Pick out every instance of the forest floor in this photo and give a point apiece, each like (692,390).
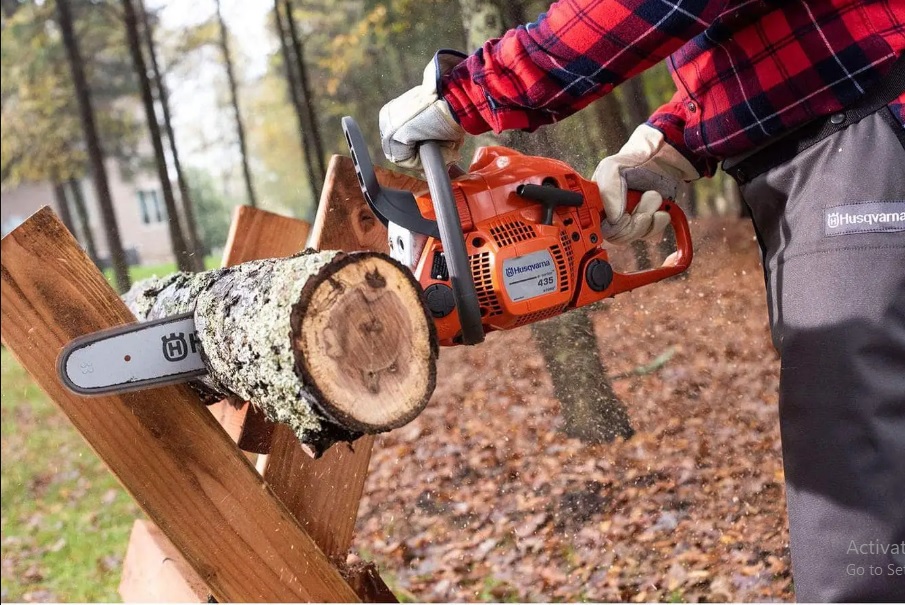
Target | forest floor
(482,497)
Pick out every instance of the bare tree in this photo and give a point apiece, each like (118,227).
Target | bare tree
(86,235)
(307,95)
(59,196)
(177,239)
(93,144)
(163,96)
(293,85)
(234,97)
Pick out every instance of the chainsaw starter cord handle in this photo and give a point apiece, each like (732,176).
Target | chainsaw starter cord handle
(450,227)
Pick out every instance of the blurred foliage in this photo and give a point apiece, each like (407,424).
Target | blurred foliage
(359,54)
(41,135)
(212,209)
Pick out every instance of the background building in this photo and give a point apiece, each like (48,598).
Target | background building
(137,201)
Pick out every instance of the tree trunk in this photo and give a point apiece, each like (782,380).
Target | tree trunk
(332,344)
(314,178)
(307,95)
(636,101)
(177,239)
(614,132)
(590,408)
(59,196)
(193,240)
(84,223)
(93,144)
(234,97)
(482,20)
(734,204)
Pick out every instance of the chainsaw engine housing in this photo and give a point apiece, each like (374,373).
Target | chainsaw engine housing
(524,270)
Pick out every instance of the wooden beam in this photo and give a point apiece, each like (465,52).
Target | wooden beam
(256,234)
(163,445)
(155,572)
(324,494)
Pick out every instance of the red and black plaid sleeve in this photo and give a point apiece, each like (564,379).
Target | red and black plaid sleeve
(573,54)
(745,70)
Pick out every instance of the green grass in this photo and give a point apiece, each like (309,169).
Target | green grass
(65,520)
(138,273)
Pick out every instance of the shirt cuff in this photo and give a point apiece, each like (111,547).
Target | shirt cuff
(671,120)
(475,110)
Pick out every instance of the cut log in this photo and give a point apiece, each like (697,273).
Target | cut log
(333,345)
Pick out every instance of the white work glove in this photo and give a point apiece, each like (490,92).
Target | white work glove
(646,163)
(421,115)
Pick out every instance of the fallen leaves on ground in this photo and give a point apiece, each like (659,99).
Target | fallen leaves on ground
(483,498)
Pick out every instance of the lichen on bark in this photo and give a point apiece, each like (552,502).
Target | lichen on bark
(242,317)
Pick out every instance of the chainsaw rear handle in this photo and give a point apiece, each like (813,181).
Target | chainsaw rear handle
(450,226)
(673,265)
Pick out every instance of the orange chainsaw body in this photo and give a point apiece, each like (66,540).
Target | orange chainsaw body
(524,270)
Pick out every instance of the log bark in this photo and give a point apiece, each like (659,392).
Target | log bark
(333,345)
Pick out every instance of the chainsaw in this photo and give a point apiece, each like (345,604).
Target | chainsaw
(513,241)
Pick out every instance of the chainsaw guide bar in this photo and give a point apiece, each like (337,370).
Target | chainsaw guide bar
(133,357)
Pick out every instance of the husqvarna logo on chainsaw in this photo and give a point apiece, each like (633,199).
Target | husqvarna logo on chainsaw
(866,217)
(529,275)
(513,270)
(175,347)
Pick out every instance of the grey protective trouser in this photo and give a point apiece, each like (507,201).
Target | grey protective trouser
(833,239)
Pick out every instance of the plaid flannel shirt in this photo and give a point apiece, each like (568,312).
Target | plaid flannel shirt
(746,70)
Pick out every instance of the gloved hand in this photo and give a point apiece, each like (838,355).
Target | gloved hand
(646,163)
(421,115)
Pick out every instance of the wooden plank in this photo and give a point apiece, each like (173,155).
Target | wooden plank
(324,494)
(155,572)
(255,234)
(163,445)
(344,221)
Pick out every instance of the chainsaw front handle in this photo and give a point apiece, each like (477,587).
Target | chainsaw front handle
(453,240)
(674,264)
